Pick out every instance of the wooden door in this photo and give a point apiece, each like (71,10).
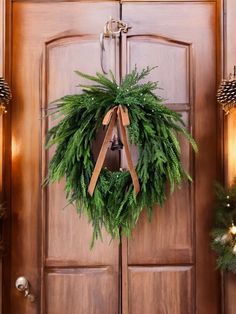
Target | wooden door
(167,267)
(50,245)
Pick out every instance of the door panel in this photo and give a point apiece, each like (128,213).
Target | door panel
(66,234)
(159,290)
(173,60)
(170,36)
(51,40)
(81,291)
(168,238)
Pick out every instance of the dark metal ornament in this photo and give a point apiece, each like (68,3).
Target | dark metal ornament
(116,143)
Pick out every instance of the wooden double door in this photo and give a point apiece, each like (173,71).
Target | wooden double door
(167,266)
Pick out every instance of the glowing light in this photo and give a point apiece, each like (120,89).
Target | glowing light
(232,229)
(231,146)
(15,147)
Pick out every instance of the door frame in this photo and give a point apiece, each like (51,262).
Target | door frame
(2,57)
(229,280)
(5,155)
(5,132)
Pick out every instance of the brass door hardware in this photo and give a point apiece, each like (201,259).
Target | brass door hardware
(22,284)
(112,29)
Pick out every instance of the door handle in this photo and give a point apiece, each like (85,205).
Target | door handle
(22,284)
(113,28)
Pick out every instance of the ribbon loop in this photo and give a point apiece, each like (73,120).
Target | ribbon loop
(120,114)
(108,115)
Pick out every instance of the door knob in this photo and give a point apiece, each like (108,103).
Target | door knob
(23,285)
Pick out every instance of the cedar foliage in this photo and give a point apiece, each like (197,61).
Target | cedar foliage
(153,129)
(225,214)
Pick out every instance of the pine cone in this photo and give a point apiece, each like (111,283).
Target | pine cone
(226,94)
(5,92)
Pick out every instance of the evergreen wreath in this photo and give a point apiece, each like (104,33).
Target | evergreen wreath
(153,128)
(224,230)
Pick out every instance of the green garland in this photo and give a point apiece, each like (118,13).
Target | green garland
(153,129)
(224,231)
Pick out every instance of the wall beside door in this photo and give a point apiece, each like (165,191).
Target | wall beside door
(1,74)
(230,164)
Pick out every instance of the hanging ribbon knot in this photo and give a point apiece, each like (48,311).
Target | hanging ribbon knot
(116,114)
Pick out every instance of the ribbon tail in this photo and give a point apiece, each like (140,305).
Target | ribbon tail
(132,170)
(124,115)
(102,153)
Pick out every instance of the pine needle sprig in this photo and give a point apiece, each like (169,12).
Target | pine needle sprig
(223,233)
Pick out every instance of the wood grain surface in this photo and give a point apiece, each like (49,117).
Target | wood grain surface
(166,266)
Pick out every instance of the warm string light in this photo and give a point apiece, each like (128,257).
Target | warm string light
(2,109)
(232,229)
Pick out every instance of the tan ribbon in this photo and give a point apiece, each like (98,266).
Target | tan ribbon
(120,114)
